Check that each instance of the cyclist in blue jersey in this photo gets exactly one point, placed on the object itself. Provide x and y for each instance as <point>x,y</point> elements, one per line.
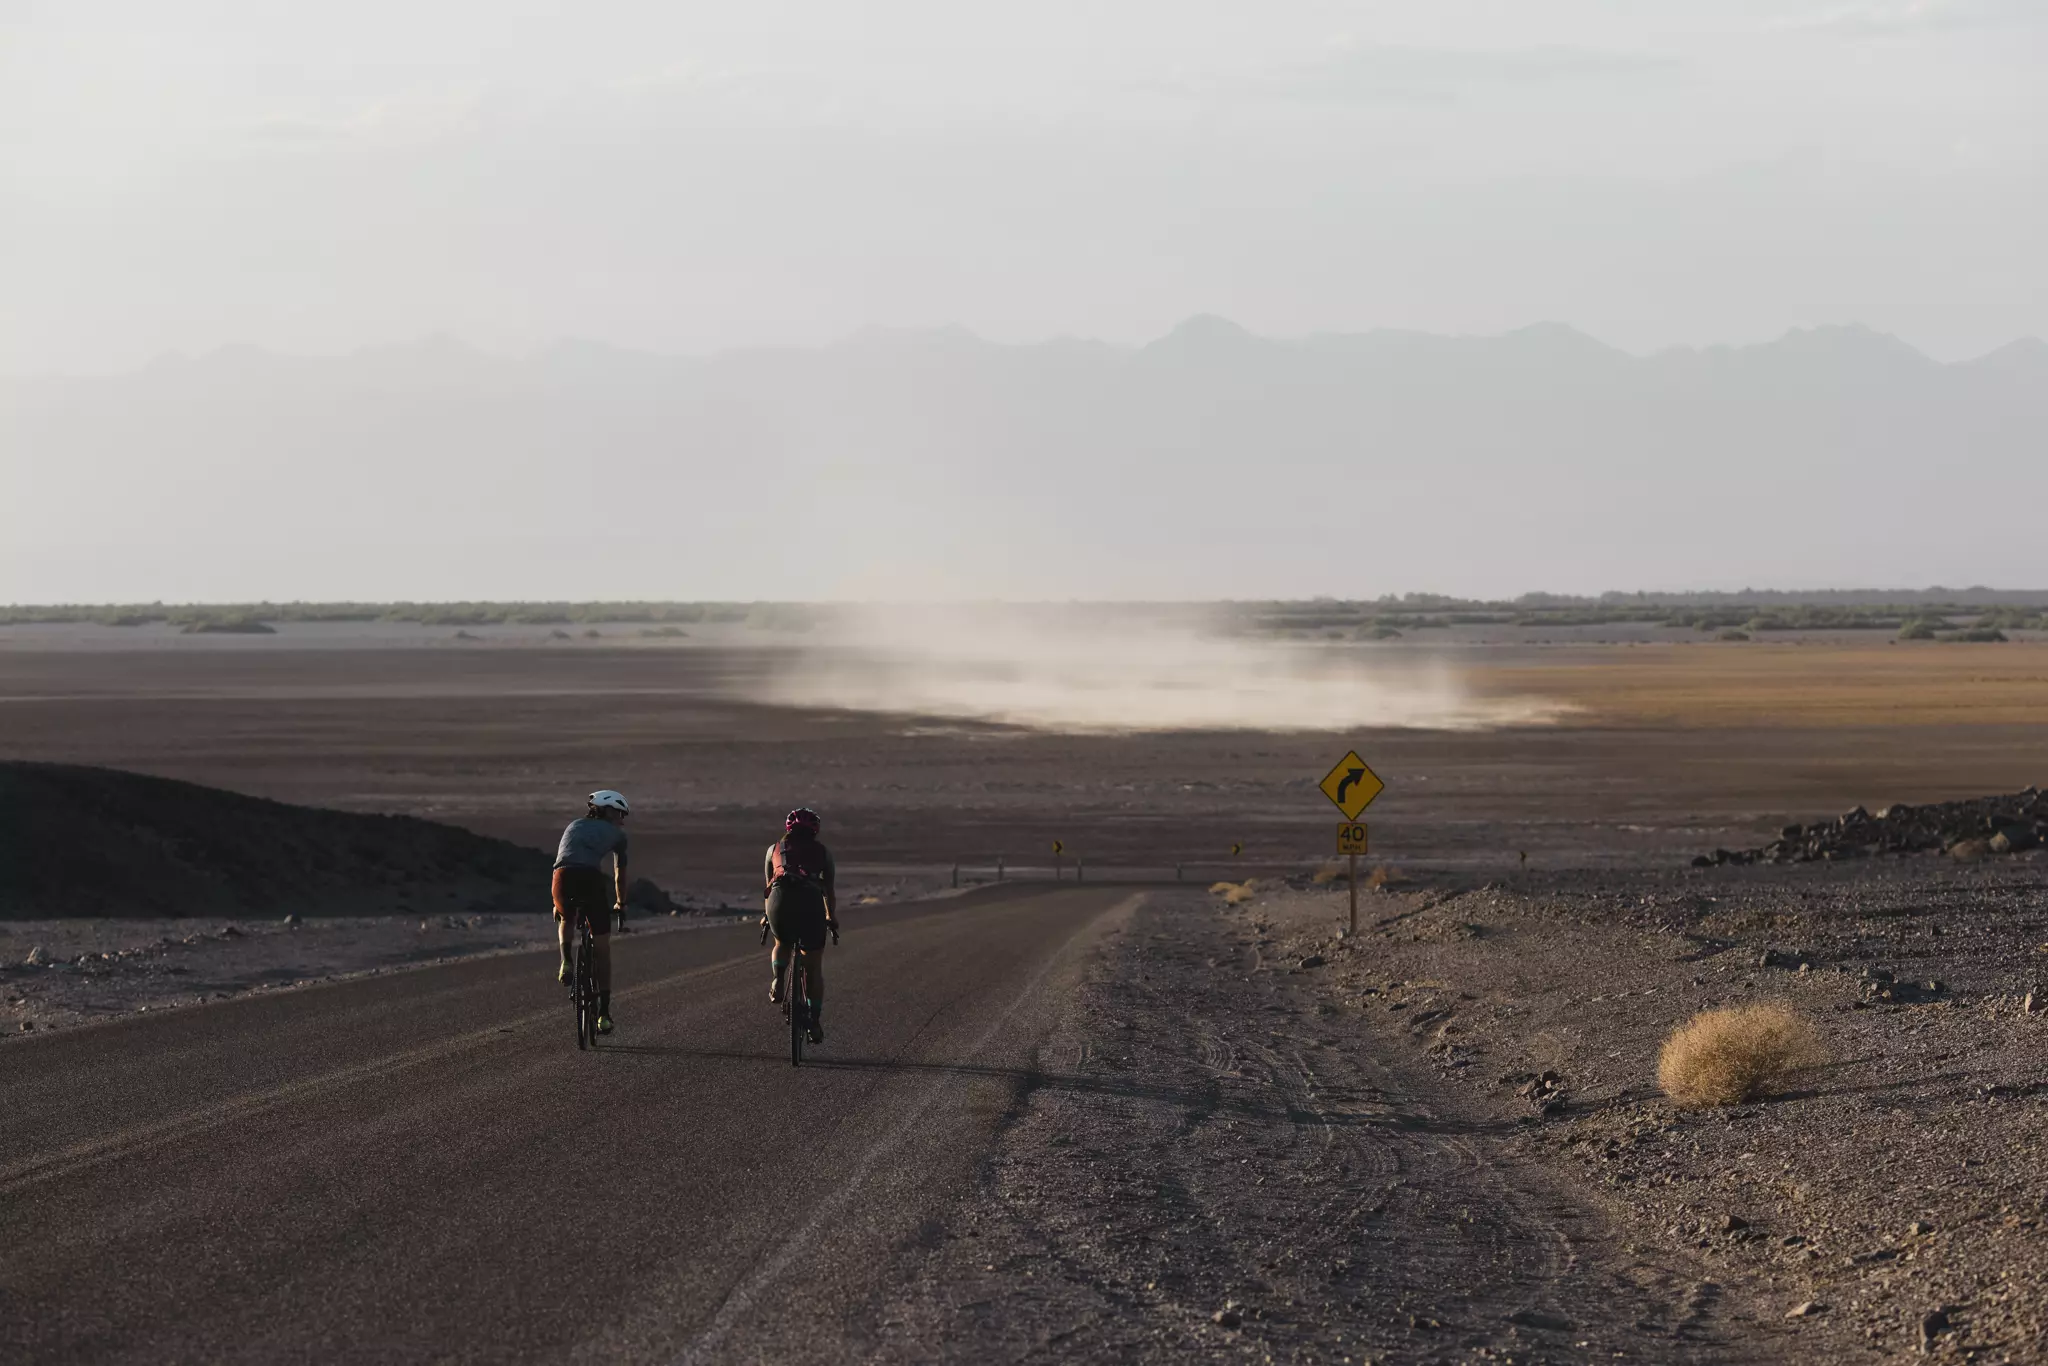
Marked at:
<point>583,892</point>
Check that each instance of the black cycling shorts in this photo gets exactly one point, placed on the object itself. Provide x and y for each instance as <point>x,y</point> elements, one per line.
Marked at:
<point>584,893</point>
<point>796,915</point>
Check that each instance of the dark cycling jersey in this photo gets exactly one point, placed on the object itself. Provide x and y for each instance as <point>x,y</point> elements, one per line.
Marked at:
<point>796,859</point>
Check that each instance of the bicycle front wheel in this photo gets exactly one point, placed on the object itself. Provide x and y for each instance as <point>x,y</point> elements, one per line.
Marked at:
<point>799,1013</point>
<point>586,996</point>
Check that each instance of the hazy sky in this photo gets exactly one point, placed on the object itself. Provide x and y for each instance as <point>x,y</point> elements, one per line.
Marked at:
<point>690,176</point>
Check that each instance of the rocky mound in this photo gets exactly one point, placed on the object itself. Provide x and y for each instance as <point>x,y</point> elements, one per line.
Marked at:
<point>1970,829</point>
<point>98,841</point>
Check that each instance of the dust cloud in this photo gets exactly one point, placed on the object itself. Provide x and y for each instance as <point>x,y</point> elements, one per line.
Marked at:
<point>1079,669</point>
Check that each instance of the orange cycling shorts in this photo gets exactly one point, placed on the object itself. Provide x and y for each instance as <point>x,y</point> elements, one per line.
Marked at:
<point>584,893</point>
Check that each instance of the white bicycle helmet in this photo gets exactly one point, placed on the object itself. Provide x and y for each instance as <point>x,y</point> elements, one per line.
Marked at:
<point>615,801</point>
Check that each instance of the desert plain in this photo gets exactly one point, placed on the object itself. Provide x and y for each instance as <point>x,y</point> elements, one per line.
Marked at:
<point>1248,1133</point>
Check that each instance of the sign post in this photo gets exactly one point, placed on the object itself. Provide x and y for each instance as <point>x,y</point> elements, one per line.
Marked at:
<point>1351,787</point>
<point>1059,859</point>
<point>1351,842</point>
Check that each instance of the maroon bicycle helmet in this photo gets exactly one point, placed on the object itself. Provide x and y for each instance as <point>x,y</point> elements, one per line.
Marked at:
<point>802,819</point>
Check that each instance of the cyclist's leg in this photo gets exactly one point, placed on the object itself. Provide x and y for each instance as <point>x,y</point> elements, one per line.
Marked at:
<point>778,968</point>
<point>565,930</point>
<point>778,957</point>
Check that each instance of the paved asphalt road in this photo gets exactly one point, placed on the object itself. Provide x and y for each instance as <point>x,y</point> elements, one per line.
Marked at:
<point>422,1166</point>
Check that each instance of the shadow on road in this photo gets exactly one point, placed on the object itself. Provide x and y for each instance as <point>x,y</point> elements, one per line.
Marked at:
<point>1199,1103</point>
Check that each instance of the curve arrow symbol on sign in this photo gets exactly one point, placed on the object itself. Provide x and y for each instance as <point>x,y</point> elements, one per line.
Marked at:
<point>1350,780</point>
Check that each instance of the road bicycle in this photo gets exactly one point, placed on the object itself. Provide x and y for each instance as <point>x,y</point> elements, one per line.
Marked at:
<point>583,986</point>
<point>796,999</point>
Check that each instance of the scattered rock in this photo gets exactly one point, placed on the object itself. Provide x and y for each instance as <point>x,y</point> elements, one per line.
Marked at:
<point>1314,960</point>
<point>1932,1325</point>
<point>1920,1228</point>
<point>1227,1317</point>
<point>1536,1318</point>
<point>1733,1223</point>
<point>28,1026</point>
<point>291,921</point>
<point>1806,1309</point>
<point>1882,985</point>
<point>36,957</point>
<point>1545,1091</point>
<point>230,932</point>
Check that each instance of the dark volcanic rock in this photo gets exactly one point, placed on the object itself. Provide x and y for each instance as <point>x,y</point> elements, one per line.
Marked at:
<point>1968,829</point>
<point>99,841</point>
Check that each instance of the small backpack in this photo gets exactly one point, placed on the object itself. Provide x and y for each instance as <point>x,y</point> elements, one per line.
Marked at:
<point>799,858</point>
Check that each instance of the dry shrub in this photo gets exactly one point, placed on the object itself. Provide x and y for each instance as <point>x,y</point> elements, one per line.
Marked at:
<point>1727,1056</point>
<point>1379,877</point>
<point>1234,893</point>
<point>1329,873</point>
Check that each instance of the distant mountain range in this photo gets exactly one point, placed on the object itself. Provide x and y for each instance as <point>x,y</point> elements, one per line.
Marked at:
<point>1210,463</point>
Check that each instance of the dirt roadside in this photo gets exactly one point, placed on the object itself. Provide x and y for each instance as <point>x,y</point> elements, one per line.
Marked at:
<point>1220,1158</point>
<point>1890,1203</point>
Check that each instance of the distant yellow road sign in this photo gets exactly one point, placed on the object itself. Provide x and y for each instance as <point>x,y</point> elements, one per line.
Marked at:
<point>1351,838</point>
<point>1351,786</point>
<point>1059,847</point>
<point>1236,849</point>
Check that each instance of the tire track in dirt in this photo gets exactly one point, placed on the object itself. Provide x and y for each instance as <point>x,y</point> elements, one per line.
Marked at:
<point>1210,1165</point>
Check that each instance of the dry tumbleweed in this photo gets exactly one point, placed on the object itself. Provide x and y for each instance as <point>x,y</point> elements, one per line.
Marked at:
<point>1727,1056</point>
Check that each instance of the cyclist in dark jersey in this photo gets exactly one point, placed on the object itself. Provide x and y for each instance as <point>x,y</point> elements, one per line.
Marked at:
<point>801,905</point>
<point>582,892</point>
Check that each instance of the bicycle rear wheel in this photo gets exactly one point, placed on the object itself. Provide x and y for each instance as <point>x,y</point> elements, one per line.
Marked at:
<point>586,995</point>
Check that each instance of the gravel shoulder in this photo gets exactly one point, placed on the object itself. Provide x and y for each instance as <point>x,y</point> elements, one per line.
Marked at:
<point>1887,1203</point>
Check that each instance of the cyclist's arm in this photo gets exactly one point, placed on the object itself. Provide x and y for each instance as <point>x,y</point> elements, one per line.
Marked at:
<point>619,883</point>
<point>831,889</point>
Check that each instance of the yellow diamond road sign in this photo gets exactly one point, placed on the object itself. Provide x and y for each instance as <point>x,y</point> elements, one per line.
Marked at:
<point>1352,786</point>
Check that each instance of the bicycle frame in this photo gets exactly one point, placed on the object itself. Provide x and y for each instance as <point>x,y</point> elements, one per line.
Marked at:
<point>796,1001</point>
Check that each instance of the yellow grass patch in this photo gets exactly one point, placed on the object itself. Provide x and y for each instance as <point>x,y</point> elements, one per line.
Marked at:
<point>1738,1053</point>
<point>1235,893</point>
<point>1339,872</point>
<point>1812,684</point>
